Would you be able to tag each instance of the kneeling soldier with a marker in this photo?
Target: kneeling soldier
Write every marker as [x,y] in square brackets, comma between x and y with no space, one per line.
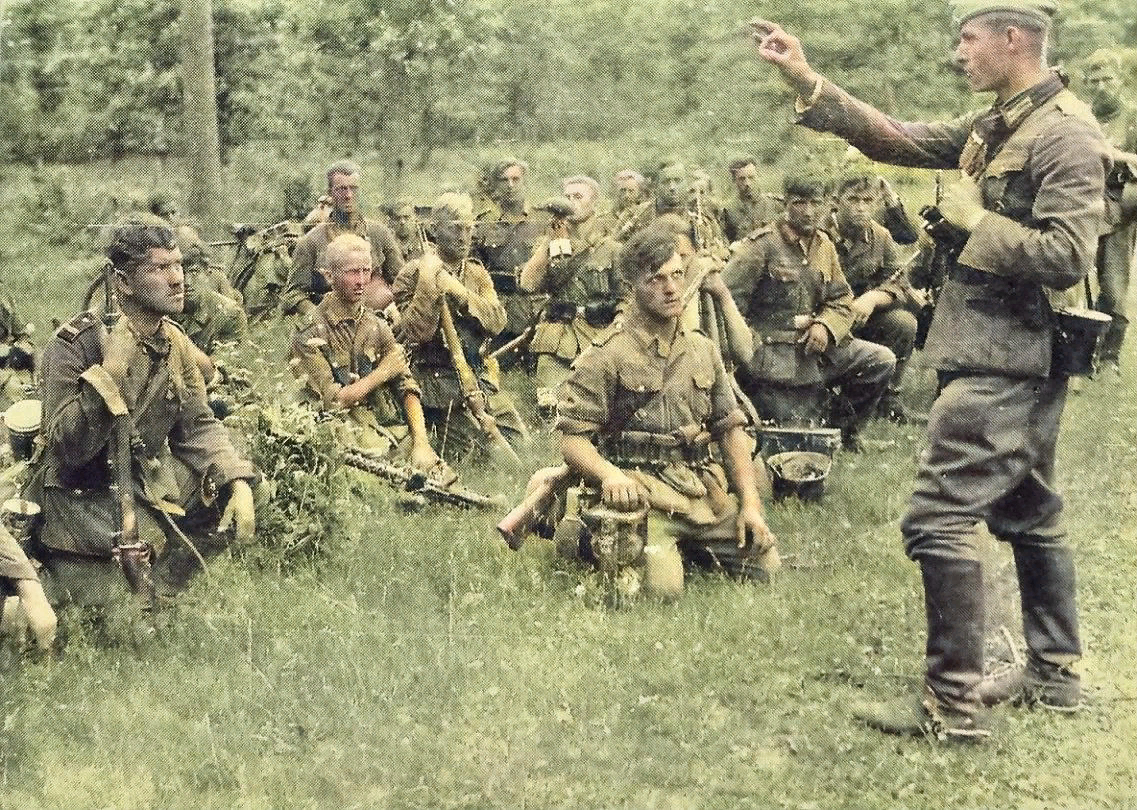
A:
[638,417]
[132,453]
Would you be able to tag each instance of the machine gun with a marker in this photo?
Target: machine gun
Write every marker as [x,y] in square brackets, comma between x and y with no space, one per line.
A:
[415,481]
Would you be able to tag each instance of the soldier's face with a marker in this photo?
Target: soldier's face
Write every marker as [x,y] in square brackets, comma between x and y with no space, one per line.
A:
[351,276]
[344,191]
[746,181]
[404,223]
[982,56]
[855,207]
[511,184]
[158,284]
[583,199]
[629,190]
[804,214]
[453,238]
[659,295]
[672,182]
[1103,83]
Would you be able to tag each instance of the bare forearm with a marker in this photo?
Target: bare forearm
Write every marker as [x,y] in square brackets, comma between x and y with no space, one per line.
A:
[584,459]
[740,467]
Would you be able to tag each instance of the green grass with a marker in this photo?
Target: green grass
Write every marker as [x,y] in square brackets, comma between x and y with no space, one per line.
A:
[421,664]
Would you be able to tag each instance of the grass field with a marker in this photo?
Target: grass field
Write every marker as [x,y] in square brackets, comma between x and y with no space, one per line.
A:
[418,663]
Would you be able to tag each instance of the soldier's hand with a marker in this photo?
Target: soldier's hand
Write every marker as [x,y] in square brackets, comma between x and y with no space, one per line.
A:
[119,348]
[714,285]
[621,491]
[422,457]
[962,204]
[783,50]
[239,511]
[816,338]
[447,283]
[753,533]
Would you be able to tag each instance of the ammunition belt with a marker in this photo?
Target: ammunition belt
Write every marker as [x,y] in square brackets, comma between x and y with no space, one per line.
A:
[596,315]
[633,448]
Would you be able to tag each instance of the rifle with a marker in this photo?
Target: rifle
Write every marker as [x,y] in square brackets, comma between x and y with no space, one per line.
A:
[132,554]
[412,480]
[472,393]
[521,519]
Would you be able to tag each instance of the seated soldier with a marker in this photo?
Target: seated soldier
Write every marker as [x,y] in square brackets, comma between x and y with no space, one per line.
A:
[885,303]
[132,400]
[787,280]
[448,311]
[17,355]
[22,599]
[637,419]
[348,360]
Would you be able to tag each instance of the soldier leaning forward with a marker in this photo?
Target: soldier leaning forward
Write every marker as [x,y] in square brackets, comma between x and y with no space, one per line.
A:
[140,376]
[450,275]
[348,360]
[639,418]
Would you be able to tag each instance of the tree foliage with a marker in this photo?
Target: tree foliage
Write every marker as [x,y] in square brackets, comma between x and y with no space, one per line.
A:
[101,78]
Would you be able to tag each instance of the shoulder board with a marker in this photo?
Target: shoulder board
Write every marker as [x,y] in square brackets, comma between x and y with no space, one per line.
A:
[76,326]
[609,333]
[758,233]
[1069,104]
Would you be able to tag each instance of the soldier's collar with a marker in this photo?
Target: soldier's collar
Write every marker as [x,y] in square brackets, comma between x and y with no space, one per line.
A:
[1014,110]
[634,323]
[335,312]
[794,238]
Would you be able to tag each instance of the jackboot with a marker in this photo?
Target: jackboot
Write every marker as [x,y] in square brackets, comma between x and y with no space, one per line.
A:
[950,706]
[1109,350]
[1050,626]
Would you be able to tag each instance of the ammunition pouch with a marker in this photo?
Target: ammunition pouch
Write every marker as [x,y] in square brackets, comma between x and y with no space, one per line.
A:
[504,283]
[560,311]
[600,314]
[655,452]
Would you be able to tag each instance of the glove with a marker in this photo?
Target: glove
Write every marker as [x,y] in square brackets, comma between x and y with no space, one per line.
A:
[962,204]
[239,510]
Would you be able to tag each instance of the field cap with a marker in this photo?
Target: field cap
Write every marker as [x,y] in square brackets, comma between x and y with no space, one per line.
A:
[1041,10]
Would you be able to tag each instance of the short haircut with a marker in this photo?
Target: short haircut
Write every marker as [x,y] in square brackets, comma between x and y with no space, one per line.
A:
[500,167]
[132,242]
[343,246]
[801,186]
[646,251]
[342,167]
[631,174]
[1035,28]
[581,180]
[740,163]
[452,205]
[857,182]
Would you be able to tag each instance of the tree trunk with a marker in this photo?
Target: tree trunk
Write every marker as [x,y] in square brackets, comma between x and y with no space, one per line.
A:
[207,203]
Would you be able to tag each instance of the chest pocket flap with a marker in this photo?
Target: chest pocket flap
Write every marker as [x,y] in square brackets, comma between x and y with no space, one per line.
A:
[999,176]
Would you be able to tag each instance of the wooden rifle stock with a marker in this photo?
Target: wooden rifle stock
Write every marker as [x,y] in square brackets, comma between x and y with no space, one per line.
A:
[520,521]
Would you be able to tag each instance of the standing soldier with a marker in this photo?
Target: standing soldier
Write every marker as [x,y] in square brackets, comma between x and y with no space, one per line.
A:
[308,284]
[132,400]
[350,364]
[449,311]
[787,280]
[1118,119]
[749,209]
[884,301]
[505,232]
[637,418]
[673,196]
[631,190]
[574,265]
[1028,208]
